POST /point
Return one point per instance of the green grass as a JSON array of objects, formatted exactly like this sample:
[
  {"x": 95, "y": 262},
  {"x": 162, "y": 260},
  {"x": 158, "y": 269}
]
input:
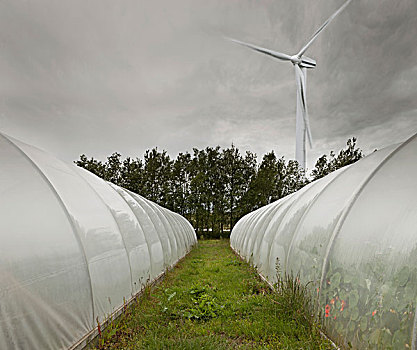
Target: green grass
[{"x": 213, "y": 300}]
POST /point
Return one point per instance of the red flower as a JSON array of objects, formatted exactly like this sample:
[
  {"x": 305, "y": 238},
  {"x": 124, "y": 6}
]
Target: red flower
[
  {"x": 98, "y": 327},
  {"x": 327, "y": 310}
]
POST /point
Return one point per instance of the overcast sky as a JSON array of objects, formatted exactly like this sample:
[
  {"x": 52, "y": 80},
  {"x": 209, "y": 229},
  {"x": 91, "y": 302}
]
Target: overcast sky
[{"x": 100, "y": 76}]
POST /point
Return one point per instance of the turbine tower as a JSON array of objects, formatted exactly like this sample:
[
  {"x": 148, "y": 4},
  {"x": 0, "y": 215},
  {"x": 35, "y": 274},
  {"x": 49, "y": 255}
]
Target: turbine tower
[{"x": 301, "y": 64}]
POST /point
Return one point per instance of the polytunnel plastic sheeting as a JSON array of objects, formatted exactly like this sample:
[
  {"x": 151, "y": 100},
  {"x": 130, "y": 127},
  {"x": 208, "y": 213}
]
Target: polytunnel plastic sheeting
[
  {"x": 248, "y": 239},
  {"x": 261, "y": 255},
  {"x": 166, "y": 242},
  {"x": 177, "y": 225},
  {"x": 167, "y": 226},
  {"x": 352, "y": 236},
  {"x": 263, "y": 240},
  {"x": 260, "y": 229},
  {"x": 380, "y": 256},
  {"x": 31, "y": 265},
  {"x": 258, "y": 226},
  {"x": 314, "y": 231},
  {"x": 244, "y": 242},
  {"x": 102, "y": 243},
  {"x": 130, "y": 229},
  {"x": 74, "y": 248},
  {"x": 152, "y": 239},
  {"x": 185, "y": 226}
]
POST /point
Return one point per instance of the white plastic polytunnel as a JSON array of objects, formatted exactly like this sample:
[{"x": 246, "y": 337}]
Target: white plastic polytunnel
[
  {"x": 352, "y": 237},
  {"x": 74, "y": 249}
]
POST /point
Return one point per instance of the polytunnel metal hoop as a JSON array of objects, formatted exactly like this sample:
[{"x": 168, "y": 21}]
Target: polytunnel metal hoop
[
  {"x": 347, "y": 210},
  {"x": 67, "y": 214},
  {"x": 306, "y": 211},
  {"x": 117, "y": 225}
]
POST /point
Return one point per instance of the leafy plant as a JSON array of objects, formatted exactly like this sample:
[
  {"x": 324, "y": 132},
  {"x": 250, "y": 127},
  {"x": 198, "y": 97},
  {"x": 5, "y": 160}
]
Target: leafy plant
[
  {"x": 197, "y": 303},
  {"x": 370, "y": 307},
  {"x": 295, "y": 298},
  {"x": 205, "y": 306}
]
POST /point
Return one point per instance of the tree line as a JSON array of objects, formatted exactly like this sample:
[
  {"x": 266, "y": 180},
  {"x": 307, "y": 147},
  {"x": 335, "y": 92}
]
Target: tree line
[{"x": 214, "y": 187}]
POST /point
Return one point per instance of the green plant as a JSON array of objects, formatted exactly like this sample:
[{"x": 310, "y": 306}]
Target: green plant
[
  {"x": 229, "y": 309},
  {"x": 196, "y": 303},
  {"x": 295, "y": 299},
  {"x": 205, "y": 305},
  {"x": 372, "y": 308}
]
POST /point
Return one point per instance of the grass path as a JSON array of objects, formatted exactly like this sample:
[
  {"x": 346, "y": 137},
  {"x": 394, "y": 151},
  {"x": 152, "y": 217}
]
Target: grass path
[{"x": 211, "y": 300}]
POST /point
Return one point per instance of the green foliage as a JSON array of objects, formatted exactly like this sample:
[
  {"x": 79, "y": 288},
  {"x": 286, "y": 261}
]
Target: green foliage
[
  {"x": 238, "y": 171},
  {"x": 204, "y": 306},
  {"x": 156, "y": 176},
  {"x": 349, "y": 155},
  {"x": 212, "y": 187},
  {"x": 196, "y": 303},
  {"x": 296, "y": 300},
  {"x": 274, "y": 179},
  {"x": 213, "y": 300},
  {"x": 373, "y": 308},
  {"x": 93, "y": 165}
]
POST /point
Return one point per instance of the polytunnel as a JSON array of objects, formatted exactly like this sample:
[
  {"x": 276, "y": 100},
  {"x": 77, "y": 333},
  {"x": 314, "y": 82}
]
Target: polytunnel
[
  {"x": 74, "y": 249},
  {"x": 352, "y": 237}
]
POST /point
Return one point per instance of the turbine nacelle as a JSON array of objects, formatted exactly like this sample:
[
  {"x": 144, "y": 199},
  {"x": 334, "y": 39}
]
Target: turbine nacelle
[
  {"x": 303, "y": 61},
  {"x": 295, "y": 59}
]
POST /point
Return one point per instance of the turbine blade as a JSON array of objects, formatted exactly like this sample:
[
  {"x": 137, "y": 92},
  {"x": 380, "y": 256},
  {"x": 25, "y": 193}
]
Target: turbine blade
[
  {"x": 275, "y": 54},
  {"x": 301, "y": 77},
  {"x": 324, "y": 25},
  {"x": 307, "y": 117}
]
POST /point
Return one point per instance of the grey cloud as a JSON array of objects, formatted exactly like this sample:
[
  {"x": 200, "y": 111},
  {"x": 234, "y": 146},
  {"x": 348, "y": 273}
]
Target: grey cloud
[{"x": 98, "y": 76}]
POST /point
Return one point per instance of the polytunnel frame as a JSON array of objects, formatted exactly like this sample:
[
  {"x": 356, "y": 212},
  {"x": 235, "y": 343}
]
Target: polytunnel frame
[
  {"x": 306, "y": 211},
  {"x": 89, "y": 337},
  {"x": 257, "y": 226},
  {"x": 133, "y": 206},
  {"x": 181, "y": 233},
  {"x": 251, "y": 218},
  {"x": 267, "y": 229},
  {"x": 344, "y": 215},
  {"x": 152, "y": 216},
  {"x": 156, "y": 210},
  {"x": 118, "y": 228},
  {"x": 66, "y": 212}
]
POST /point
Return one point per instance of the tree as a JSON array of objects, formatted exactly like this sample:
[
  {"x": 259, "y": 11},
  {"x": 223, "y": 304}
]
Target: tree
[
  {"x": 113, "y": 169},
  {"x": 92, "y": 165},
  {"x": 294, "y": 178},
  {"x": 263, "y": 189},
  {"x": 346, "y": 156},
  {"x": 180, "y": 184},
  {"x": 198, "y": 191},
  {"x": 237, "y": 172},
  {"x": 156, "y": 176},
  {"x": 274, "y": 179},
  {"x": 131, "y": 173}
]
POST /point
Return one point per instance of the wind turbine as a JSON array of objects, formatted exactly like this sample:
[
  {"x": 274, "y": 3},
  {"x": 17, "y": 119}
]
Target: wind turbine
[{"x": 301, "y": 64}]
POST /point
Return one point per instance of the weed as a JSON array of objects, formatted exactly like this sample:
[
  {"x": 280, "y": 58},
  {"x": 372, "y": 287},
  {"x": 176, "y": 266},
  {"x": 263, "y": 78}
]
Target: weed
[
  {"x": 234, "y": 262},
  {"x": 205, "y": 305},
  {"x": 216, "y": 301},
  {"x": 196, "y": 303},
  {"x": 295, "y": 299}
]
